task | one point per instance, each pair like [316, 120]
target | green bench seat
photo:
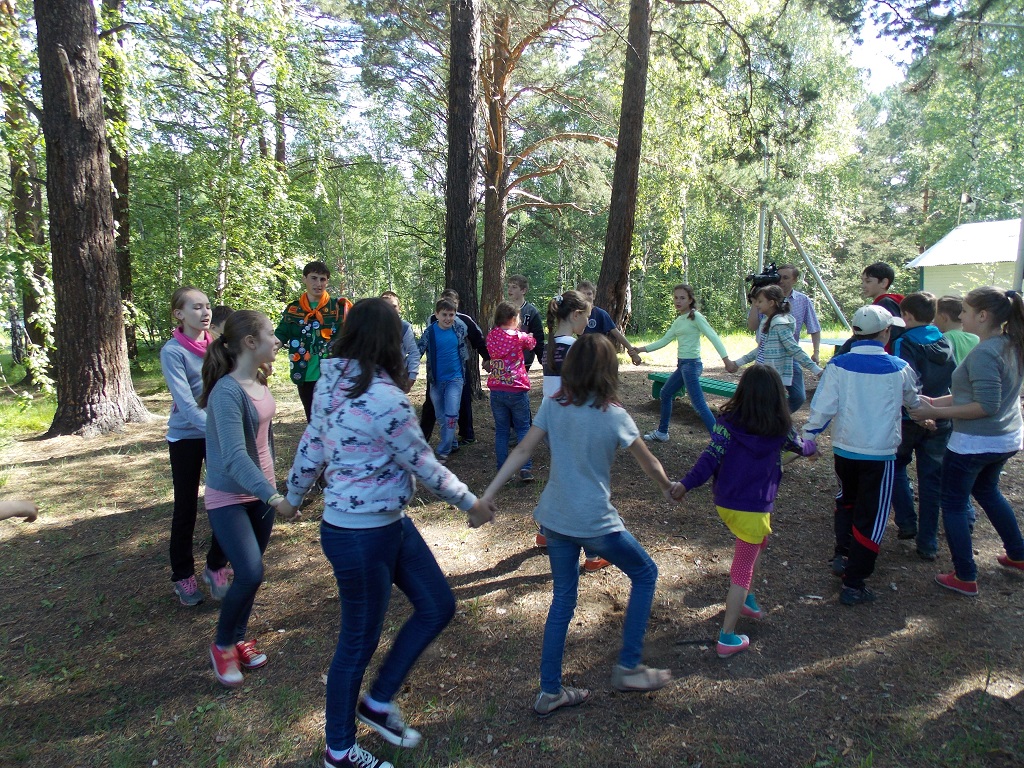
[708, 385]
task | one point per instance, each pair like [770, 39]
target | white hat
[869, 320]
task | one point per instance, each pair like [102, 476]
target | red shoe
[950, 581]
[1004, 560]
[592, 564]
[225, 666]
[248, 656]
[541, 540]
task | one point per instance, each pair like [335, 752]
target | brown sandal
[547, 703]
[639, 678]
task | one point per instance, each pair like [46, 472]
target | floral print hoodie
[371, 450]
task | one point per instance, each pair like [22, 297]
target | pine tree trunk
[93, 382]
[612, 287]
[460, 244]
[495, 172]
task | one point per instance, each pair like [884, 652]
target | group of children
[366, 447]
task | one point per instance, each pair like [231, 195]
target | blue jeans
[510, 410]
[243, 531]
[621, 550]
[966, 475]
[366, 562]
[797, 393]
[446, 396]
[686, 374]
[928, 446]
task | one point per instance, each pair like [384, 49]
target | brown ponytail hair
[560, 308]
[372, 336]
[1007, 312]
[590, 370]
[222, 354]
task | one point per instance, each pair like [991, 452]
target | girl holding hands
[241, 497]
[585, 426]
[686, 329]
[743, 458]
[987, 432]
[777, 347]
[364, 436]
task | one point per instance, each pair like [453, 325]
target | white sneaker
[654, 436]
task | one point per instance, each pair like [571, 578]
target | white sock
[335, 755]
[382, 707]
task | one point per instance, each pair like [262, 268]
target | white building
[972, 255]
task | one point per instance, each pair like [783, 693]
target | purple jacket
[745, 467]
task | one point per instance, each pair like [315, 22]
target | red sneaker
[248, 656]
[592, 564]
[950, 581]
[225, 666]
[1004, 560]
[541, 540]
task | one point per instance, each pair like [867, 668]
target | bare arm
[18, 508]
[816, 344]
[753, 319]
[519, 456]
[634, 355]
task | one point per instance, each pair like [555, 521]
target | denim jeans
[928, 446]
[686, 374]
[621, 550]
[446, 395]
[796, 392]
[510, 410]
[966, 475]
[366, 562]
[243, 531]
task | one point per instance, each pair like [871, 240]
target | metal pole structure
[1018, 268]
[762, 216]
[814, 272]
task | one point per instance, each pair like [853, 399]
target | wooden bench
[708, 385]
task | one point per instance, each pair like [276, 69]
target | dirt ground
[99, 666]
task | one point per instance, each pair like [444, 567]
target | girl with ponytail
[567, 319]
[241, 495]
[987, 432]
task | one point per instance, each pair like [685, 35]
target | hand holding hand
[676, 491]
[287, 512]
[635, 357]
[923, 412]
[730, 366]
[482, 512]
[930, 425]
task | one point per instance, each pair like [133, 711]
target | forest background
[249, 137]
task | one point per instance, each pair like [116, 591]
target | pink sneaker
[217, 581]
[725, 650]
[1005, 561]
[950, 581]
[225, 666]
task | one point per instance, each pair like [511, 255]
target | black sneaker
[927, 556]
[855, 596]
[839, 565]
[526, 475]
[355, 758]
[390, 725]
[906, 533]
[467, 440]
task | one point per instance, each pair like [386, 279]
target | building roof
[982, 242]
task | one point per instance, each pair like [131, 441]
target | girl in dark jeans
[364, 436]
[241, 497]
[987, 432]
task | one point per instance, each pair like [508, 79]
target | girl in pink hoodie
[509, 382]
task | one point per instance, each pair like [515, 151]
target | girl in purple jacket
[743, 457]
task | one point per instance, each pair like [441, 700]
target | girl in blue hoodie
[744, 459]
